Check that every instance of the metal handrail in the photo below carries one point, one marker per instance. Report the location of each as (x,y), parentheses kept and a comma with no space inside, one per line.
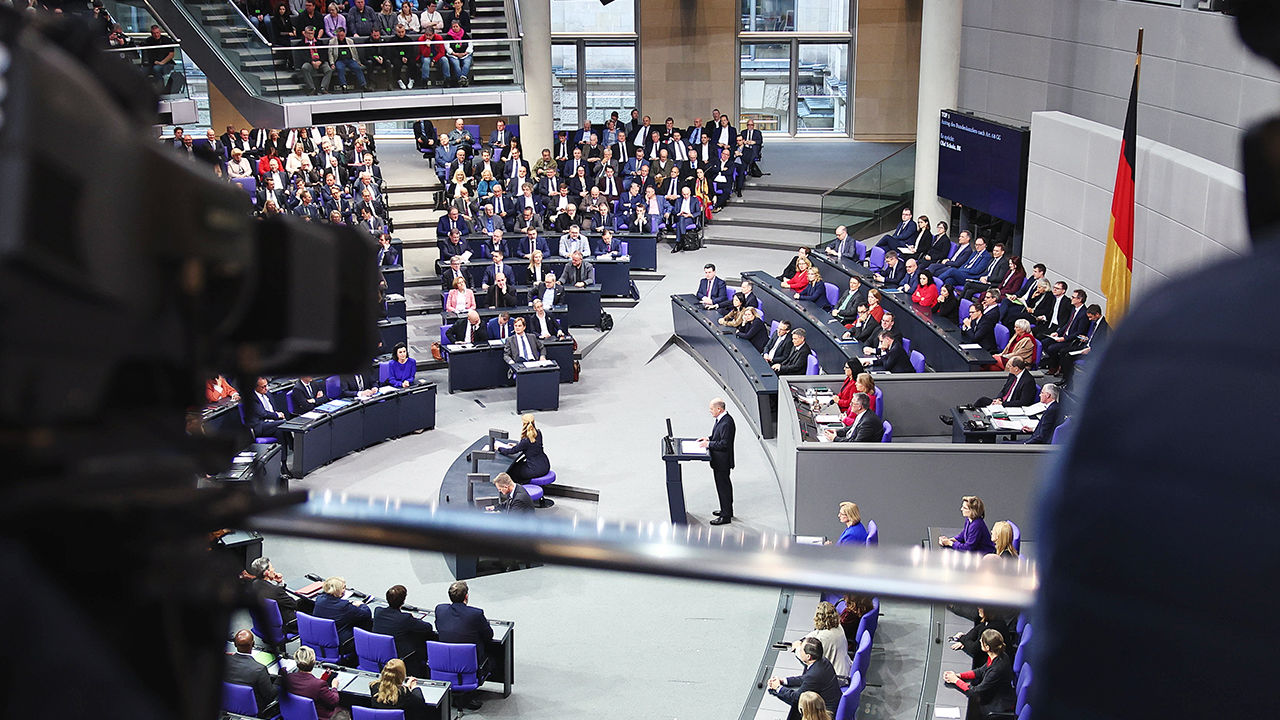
(515,5)
(873,167)
(660,549)
(248,22)
(411,43)
(140,48)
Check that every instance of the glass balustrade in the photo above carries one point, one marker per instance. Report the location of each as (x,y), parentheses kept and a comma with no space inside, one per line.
(866,203)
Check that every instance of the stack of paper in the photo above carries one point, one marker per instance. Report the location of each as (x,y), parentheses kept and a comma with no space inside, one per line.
(691,447)
(827,419)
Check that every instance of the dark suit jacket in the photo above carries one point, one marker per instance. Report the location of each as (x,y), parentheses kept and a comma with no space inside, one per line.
(302,402)
(254,413)
(816,292)
(304,684)
(519,503)
(1024,392)
(409,632)
(495,298)
(495,328)
(458,330)
(820,677)
(534,326)
(796,361)
(720,441)
(893,275)
(1078,324)
(1050,419)
(350,387)
(984,332)
(784,349)
(868,428)
(244,670)
(992,687)
(938,250)
(755,333)
(719,291)
(344,614)
(896,360)
(286,602)
(461,623)
(539,291)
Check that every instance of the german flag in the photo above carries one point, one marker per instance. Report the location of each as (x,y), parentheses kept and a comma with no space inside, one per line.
(1117,265)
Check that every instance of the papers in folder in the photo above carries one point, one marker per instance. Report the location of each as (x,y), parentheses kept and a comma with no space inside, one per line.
(539,363)
(312,415)
(970,346)
(828,420)
(691,447)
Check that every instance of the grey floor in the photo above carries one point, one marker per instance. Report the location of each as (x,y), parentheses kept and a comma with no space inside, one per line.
(594,643)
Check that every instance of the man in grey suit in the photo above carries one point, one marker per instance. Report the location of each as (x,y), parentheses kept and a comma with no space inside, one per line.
(578,272)
(244,669)
(522,346)
(866,427)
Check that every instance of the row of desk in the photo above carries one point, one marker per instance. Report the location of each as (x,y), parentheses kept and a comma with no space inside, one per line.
(822,331)
(500,650)
(581,307)
(641,247)
(734,362)
(344,425)
(938,339)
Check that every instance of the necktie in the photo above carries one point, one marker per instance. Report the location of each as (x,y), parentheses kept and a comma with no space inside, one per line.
(470,329)
(359,381)
(308,388)
(1012,385)
(524,349)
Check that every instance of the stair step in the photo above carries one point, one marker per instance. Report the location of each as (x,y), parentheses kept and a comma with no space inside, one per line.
(779,240)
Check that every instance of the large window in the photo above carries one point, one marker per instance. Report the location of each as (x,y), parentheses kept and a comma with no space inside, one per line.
(593,60)
(794,66)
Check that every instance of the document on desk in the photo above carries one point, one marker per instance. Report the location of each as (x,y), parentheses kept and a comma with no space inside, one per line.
(539,363)
(312,415)
(970,346)
(1035,409)
(946,712)
(1011,425)
(496,343)
(827,419)
(691,447)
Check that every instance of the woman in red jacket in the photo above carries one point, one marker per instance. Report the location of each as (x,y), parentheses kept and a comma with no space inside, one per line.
(850,386)
(926,294)
(798,281)
(873,305)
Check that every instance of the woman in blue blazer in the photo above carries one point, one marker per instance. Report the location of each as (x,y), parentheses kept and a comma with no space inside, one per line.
(753,330)
(535,463)
(855,533)
(815,291)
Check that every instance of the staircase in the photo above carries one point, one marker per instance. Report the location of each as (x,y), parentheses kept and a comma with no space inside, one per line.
(241,64)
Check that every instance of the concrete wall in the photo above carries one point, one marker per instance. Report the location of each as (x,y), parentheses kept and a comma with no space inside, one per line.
(1200,85)
(886,70)
(1190,211)
(688,58)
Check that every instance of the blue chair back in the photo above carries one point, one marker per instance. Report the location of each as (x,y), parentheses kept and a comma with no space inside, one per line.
(269,625)
(249,185)
(953,249)
(1035,358)
(877,258)
(860,248)
(887,437)
(622,248)
(731,292)
(1060,432)
(873,533)
(812,368)
(965,304)
(296,707)
(938,283)
(373,650)
(475,135)
(833,293)
(1022,623)
(455,663)
(849,699)
(1025,284)
(1002,336)
(1023,688)
(1025,712)
(320,635)
(384,372)
(879,401)
(288,403)
(871,621)
(1019,657)
(773,328)
(862,658)
(239,699)
(906,344)
(1017,536)
(917,360)
(365,713)
(333,386)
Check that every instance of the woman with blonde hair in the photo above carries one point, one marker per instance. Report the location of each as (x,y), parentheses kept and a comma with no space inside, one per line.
(391,692)
(835,646)
(815,291)
(461,298)
(458,184)
(800,279)
(812,707)
(535,463)
(855,533)
(303,683)
(1002,536)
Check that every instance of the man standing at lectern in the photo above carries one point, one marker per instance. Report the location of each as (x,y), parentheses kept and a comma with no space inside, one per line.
(720,447)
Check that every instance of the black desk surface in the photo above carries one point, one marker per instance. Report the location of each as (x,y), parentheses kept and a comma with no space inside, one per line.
(936,337)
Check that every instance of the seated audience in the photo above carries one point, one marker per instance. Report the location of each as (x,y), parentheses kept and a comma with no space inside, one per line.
(267,584)
(468,330)
(974,537)
(826,630)
(578,272)
(793,266)
(1050,418)
(458,622)
(735,317)
(461,298)
(926,292)
(306,395)
(303,683)
(217,388)
(1019,387)
(990,687)
(1022,345)
(541,323)
(815,291)
(712,291)
(818,676)
(1002,537)
(244,669)
(458,55)
(345,614)
(980,327)
(1079,348)
(948,305)
(402,371)
(260,412)
(970,642)
(779,345)
(796,361)
(409,632)
(753,329)
(855,606)
(863,383)
(846,310)
(900,234)
(855,533)
(866,425)
(850,386)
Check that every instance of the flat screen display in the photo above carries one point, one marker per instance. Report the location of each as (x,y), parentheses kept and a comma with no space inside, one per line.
(983,164)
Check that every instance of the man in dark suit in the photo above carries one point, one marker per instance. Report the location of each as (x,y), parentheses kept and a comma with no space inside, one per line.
(260,412)
(843,246)
(1019,388)
(306,395)
(264,584)
(995,274)
(458,622)
(450,222)
(712,292)
(409,633)
(549,291)
(424,137)
(541,323)
(359,385)
(956,258)
(719,445)
(1050,418)
(819,677)
(501,327)
(1080,347)
(981,329)
(900,234)
(973,268)
(779,346)
(797,360)
(244,669)
(893,272)
(867,426)
(1056,344)
(512,497)
(1055,315)
(890,355)
(468,330)
(501,136)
